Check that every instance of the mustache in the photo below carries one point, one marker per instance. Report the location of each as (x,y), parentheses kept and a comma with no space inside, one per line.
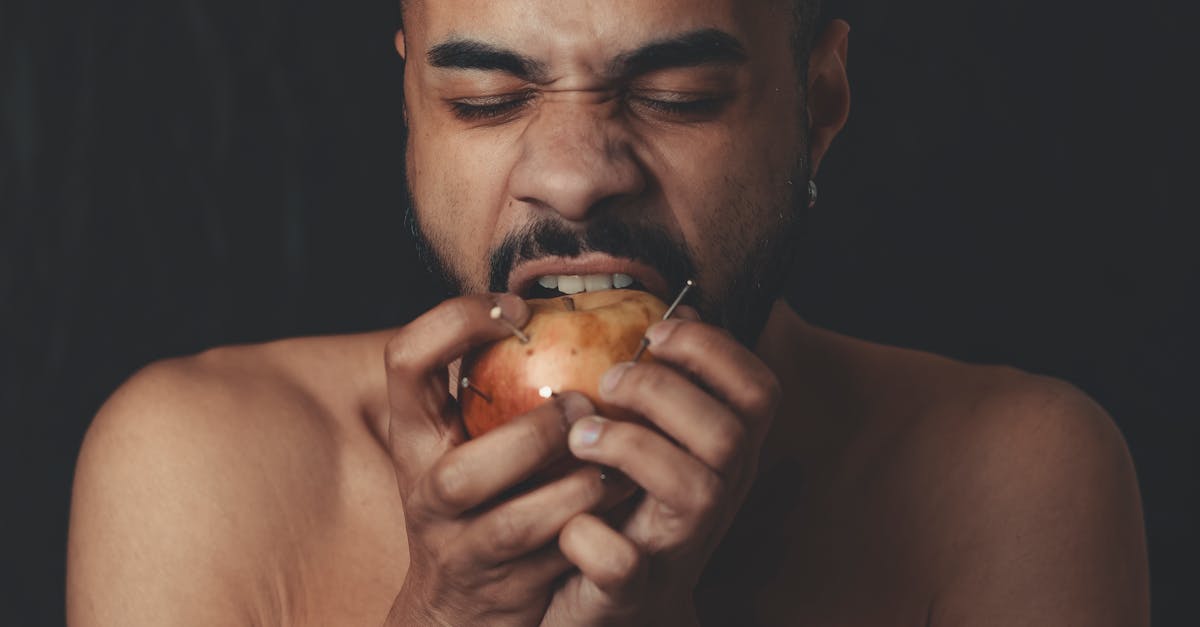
(548,237)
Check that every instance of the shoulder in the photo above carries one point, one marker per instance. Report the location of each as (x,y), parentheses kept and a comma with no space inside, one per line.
(190,474)
(959,414)
(229,407)
(1040,504)
(1022,492)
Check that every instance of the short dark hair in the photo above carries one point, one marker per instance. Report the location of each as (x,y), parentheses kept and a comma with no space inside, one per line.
(805,14)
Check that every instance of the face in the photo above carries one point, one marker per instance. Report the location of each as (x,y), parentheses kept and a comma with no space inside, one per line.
(643,140)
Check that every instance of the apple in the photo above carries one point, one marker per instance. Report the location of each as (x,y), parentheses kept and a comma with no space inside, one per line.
(573,341)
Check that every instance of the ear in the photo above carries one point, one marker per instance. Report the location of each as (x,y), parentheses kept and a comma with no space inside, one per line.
(828,89)
(400,43)
(401,50)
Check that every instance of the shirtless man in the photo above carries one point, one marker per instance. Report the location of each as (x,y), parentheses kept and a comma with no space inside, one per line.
(813,480)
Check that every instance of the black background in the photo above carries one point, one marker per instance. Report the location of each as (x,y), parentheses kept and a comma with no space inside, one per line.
(1015,185)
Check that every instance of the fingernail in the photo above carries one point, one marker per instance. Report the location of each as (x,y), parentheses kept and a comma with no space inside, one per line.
(611,378)
(660,331)
(587,431)
(574,406)
(515,309)
(687,312)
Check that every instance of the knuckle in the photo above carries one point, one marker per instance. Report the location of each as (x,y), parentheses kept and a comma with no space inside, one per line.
(763,399)
(700,338)
(417,515)
(507,533)
(456,314)
(707,497)
(395,356)
(620,565)
(688,509)
(540,441)
(456,564)
(645,377)
(587,489)
(623,436)
(728,442)
(447,482)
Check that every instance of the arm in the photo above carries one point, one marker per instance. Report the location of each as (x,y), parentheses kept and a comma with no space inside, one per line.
(1050,529)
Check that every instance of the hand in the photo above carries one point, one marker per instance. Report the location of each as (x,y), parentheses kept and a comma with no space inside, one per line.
(477,555)
(696,472)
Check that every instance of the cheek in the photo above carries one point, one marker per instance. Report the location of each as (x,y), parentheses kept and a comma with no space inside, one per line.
(727,194)
(458,183)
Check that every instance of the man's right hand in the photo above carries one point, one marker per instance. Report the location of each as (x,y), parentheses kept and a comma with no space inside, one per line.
(477,556)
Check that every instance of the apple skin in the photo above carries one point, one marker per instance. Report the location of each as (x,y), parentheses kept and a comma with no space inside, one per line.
(567,350)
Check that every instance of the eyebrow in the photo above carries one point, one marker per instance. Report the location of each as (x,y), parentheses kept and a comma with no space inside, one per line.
(709,46)
(467,54)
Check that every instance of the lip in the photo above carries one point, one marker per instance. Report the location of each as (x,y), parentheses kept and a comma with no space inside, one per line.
(521,279)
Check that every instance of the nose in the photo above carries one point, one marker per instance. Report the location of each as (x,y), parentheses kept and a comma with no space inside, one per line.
(575,157)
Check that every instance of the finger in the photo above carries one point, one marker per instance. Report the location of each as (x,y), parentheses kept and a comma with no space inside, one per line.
(428,344)
(514,585)
(532,520)
(605,557)
(539,568)
(687,312)
(681,484)
(703,425)
(480,469)
(420,426)
(734,374)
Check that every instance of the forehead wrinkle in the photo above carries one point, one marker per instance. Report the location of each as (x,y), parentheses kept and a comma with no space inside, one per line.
(572,43)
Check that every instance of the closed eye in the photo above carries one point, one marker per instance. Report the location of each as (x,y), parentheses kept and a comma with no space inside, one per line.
(680,105)
(499,108)
(488,107)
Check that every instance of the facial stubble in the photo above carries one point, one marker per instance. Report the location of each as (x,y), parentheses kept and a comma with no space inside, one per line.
(759,262)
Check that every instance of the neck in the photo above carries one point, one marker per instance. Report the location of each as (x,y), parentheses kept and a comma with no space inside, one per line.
(781,346)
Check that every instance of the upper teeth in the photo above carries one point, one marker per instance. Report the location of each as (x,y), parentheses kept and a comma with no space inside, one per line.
(575,283)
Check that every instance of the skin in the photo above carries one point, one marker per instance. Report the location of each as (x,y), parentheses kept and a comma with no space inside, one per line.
(808,478)
(591,142)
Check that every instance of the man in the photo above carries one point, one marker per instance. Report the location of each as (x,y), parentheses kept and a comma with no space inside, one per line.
(793,476)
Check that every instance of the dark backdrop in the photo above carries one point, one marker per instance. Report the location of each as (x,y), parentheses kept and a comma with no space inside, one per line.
(184,173)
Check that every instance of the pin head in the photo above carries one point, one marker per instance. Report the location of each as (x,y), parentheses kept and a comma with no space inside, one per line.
(498,314)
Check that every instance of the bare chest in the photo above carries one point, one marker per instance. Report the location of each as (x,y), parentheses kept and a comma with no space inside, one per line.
(812,555)
(803,550)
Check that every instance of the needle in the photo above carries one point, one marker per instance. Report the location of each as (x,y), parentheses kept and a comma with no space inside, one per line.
(670,310)
(498,314)
(466,383)
(686,286)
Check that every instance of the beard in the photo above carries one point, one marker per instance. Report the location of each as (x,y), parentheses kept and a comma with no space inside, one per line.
(758,269)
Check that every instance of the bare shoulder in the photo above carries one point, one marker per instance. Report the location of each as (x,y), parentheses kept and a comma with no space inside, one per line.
(1039,502)
(195,476)
(1019,490)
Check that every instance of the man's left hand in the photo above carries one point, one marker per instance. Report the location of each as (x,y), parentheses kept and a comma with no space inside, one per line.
(712,401)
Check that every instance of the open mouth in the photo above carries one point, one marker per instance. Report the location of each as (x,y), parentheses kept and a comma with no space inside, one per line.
(554,285)
(551,278)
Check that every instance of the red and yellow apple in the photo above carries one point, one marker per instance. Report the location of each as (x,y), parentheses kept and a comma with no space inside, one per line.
(573,341)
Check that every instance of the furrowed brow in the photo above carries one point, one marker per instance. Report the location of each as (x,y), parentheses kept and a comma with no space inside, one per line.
(467,54)
(702,47)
